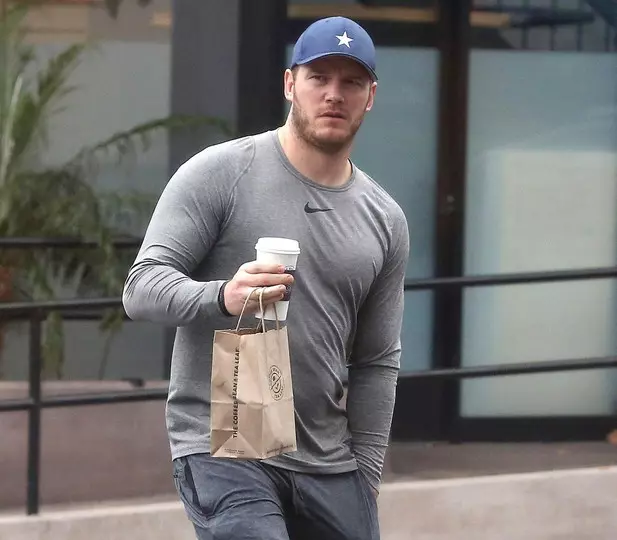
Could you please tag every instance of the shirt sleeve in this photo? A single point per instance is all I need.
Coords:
(183, 228)
(375, 359)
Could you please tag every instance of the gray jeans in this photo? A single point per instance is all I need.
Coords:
(229, 499)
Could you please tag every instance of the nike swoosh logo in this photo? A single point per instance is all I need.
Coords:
(310, 210)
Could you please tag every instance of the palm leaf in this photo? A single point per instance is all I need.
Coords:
(123, 144)
(52, 202)
(11, 22)
(62, 201)
(13, 58)
(35, 107)
(9, 127)
(53, 346)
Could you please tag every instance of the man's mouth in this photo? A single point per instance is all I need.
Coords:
(333, 114)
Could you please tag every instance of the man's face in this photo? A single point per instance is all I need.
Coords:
(329, 98)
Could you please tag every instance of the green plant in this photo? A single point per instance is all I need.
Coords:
(37, 200)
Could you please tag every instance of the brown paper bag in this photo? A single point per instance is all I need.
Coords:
(252, 407)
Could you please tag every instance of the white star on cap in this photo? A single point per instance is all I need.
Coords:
(344, 40)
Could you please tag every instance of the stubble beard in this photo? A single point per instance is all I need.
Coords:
(305, 131)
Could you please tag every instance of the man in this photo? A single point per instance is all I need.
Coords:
(196, 268)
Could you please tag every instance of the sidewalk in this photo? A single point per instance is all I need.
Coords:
(555, 505)
(428, 461)
(125, 475)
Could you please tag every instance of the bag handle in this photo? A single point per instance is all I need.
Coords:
(261, 306)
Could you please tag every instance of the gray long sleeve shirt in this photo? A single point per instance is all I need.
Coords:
(345, 313)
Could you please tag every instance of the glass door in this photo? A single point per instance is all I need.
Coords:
(541, 195)
(397, 147)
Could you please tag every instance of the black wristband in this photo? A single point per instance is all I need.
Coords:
(222, 300)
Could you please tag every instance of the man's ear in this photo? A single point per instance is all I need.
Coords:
(288, 84)
(371, 97)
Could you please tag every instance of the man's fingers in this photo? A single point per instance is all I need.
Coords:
(274, 294)
(270, 294)
(254, 278)
(255, 267)
(268, 280)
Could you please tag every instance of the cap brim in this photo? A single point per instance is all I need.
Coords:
(346, 55)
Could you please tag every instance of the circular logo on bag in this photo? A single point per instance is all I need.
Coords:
(276, 382)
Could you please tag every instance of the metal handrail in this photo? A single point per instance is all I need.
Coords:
(522, 368)
(64, 243)
(36, 311)
(150, 394)
(86, 398)
(519, 278)
(20, 309)
(13, 310)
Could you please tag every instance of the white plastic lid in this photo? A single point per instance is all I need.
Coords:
(278, 245)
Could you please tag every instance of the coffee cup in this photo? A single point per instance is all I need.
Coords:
(278, 251)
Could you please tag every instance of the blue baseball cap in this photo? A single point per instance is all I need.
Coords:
(335, 36)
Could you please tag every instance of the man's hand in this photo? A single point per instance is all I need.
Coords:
(253, 275)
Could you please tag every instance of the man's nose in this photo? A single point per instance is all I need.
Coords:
(334, 89)
(334, 96)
